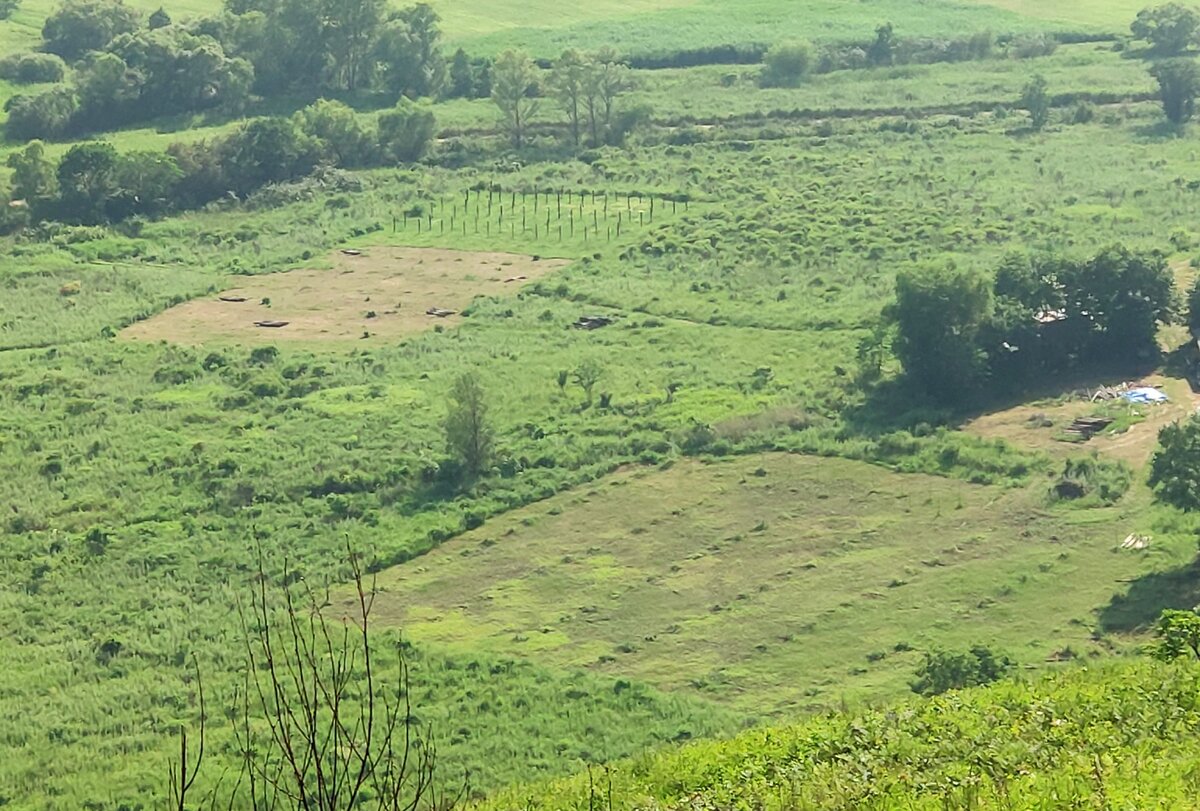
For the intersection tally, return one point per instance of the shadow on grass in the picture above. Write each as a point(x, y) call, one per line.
point(1138, 608)
point(897, 404)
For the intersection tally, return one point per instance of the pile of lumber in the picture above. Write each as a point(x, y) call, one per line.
point(590, 322)
point(1088, 427)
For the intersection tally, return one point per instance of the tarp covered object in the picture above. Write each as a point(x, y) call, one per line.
point(1145, 394)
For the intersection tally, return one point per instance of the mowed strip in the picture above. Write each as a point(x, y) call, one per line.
point(773, 582)
point(381, 294)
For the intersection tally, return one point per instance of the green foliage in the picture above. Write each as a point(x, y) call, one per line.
point(786, 64)
point(32, 68)
point(1178, 83)
point(1036, 100)
point(939, 313)
point(470, 437)
point(405, 132)
point(1092, 478)
point(942, 671)
point(1170, 29)
point(514, 91)
point(1175, 466)
point(8, 8)
point(1178, 635)
point(79, 26)
point(1069, 738)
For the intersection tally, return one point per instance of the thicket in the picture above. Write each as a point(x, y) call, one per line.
point(93, 183)
point(127, 73)
point(1037, 317)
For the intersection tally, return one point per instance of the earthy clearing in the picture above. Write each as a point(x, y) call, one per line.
point(1132, 437)
point(773, 581)
point(382, 293)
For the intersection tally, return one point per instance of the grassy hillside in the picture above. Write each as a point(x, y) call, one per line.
point(1108, 737)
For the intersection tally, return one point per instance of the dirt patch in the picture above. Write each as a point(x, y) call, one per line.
point(1040, 425)
point(386, 293)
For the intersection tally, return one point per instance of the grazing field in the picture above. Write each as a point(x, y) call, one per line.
point(381, 294)
point(773, 583)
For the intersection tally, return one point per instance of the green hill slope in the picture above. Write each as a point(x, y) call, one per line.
point(1123, 736)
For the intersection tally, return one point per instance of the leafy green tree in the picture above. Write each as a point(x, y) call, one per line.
point(1118, 298)
point(786, 64)
point(405, 131)
point(87, 182)
point(942, 671)
point(1170, 29)
point(514, 89)
point(883, 50)
point(159, 19)
point(177, 71)
point(108, 91)
point(267, 150)
point(32, 173)
point(1036, 100)
point(470, 438)
point(8, 8)
point(1193, 309)
point(146, 182)
point(79, 26)
point(1178, 635)
point(939, 313)
point(462, 76)
point(46, 115)
point(1175, 466)
point(606, 79)
point(566, 82)
point(1178, 84)
point(587, 375)
point(343, 140)
point(350, 28)
point(32, 68)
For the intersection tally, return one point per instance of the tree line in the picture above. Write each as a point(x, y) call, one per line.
point(93, 183)
point(127, 71)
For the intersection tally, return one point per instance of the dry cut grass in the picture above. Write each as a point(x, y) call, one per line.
point(383, 294)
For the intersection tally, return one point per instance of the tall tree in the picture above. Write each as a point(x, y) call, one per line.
point(514, 85)
point(566, 83)
point(939, 313)
point(462, 76)
point(1170, 29)
point(1175, 466)
point(350, 28)
point(87, 182)
point(405, 131)
point(1178, 84)
point(469, 435)
point(882, 50)
point(79, 26)
point(606, 78)
point(32, 173)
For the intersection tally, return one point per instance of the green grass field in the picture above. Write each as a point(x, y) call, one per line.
point(728, 530)
point(775, 583)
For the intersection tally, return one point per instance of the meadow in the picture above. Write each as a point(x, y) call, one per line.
point(729, 529)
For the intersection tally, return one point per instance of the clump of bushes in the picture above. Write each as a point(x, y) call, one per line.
point(32, 68)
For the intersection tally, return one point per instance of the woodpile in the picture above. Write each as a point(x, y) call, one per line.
point(232, 299)
point(271, 324)
point(1087, 427)
point(438, 312)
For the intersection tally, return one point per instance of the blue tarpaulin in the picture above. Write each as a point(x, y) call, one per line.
point(1145, 394)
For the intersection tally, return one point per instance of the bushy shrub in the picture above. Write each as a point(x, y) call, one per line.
point(32, 68)
point(786, 65)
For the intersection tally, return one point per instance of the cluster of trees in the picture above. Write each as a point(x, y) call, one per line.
point(958, 329)
point(93, 183)
point(1170, 29)
point(587, 88)
point(942, 671)
point(127, 71)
